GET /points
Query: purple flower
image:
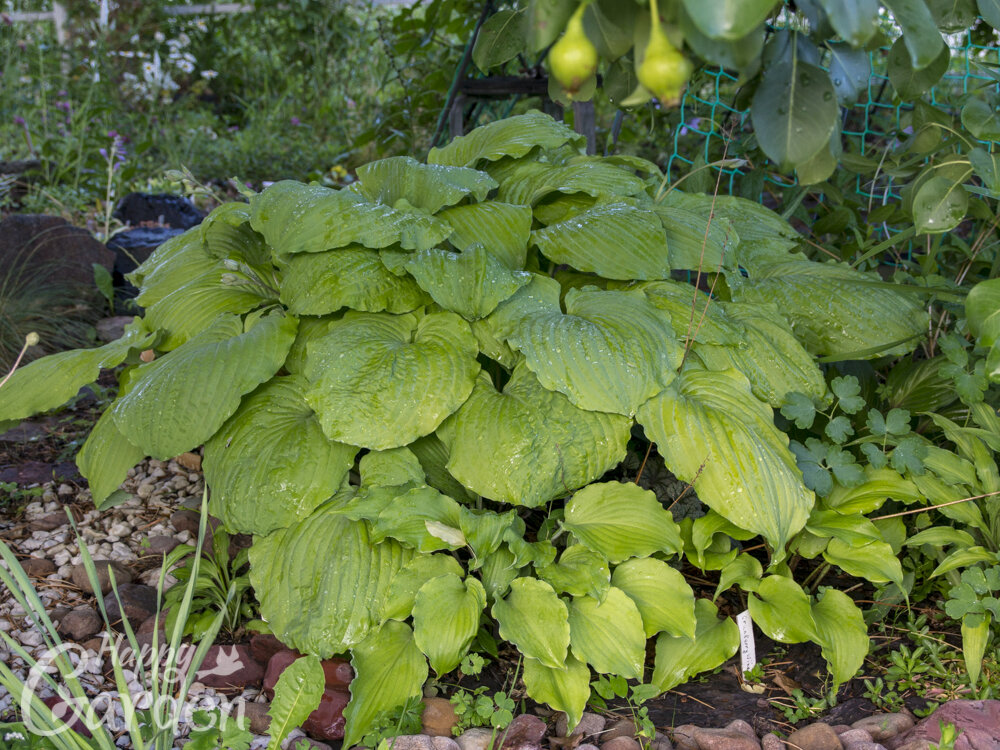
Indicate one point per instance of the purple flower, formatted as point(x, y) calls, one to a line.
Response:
point(18, 120)
point(296, 121)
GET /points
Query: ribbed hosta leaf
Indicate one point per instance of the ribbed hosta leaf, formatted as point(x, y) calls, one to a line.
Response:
point(565, 689)
point(759, 229)
point(502, 228)
point(402, 592)
point(271, 465)
point(411, 516)
point(192, 307)
point(621, 520)
point(695, 241)
point(513, 136)
point(713, 432)
point(471, 283)
point(297, 218)
point(665, 600)
point(608, 635)
point(610, 352)
point(446, 619)
point(226, 234)
point(309, 330)
point(579, 572)
point(52, 381)
point(321, 582)
point(535, 620)
point(381, 381)
point(106, 458)
point(769, 355)
point(354, 277)
point(680, 657)
point(429, 187)
point(484, 531)
point(528, 445)
point(615, 240)
point(389, 670)
point(693, 314)
point(532, 183)
point(834, 309)
point(179, 401)
point(433, 456)
point(172, 264)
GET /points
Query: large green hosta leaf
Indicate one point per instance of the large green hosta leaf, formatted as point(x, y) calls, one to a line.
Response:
point(180, 400)
point(52, 381)
point(610, 352)
point(271, 465)
point(696, 241)
point(429, 187)
point(297, 218)
point(621, 520)
point(665, 600)
point(381, 381)
point(531, 182)
point(834, 309)
point(770, 356)
point(713, 432)
point(106, 458)
point(535, 620)
point(353, 277)
point(321, 582)
point(615, 240)
point(172, 264)
point(566, 689)
point(608, 635)
point(681, 657)
point(402, 593)
point(226, 234)
point(579, 572)
point(191, 308)
point(422, 518)
point(513, 136)
point(389, 670)
point(502, 228)
point(445, 639)
point(527, 445)
point(471, 283)
point(693, 314)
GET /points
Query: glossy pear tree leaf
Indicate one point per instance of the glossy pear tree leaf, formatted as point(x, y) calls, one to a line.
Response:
point(727, 19)
point(527, 445)
point(382, 381)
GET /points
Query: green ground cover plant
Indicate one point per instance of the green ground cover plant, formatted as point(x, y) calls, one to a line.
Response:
point(411, 390)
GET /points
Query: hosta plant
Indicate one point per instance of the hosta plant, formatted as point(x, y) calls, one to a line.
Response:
point(410, 390)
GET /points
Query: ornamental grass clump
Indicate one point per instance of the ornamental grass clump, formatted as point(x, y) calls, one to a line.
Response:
point(473, 339)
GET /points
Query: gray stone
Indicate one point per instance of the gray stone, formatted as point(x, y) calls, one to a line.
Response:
point(660, 742)
point(422, 742)
point(916, 745)
point(256, 714)
point(724, 739)
point(590, 725)
point(52, 247)
point(525, 732)
point(817, 736)
point(683, 737)
point(621, 728)
point(80, 624)
point(158, 545)
point(621, 743)
point(854, 736)
point(123, 575)
point(884, 726)
point(138, 603)
point(770, 741)
point(738, 725)
point(38, 567)
point(477, 738)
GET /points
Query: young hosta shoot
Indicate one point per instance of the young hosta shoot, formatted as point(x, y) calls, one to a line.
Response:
point(485, 331)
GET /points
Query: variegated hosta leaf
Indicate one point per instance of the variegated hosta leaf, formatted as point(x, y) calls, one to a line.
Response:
point(615, 240)
point(402, 592)
point(610, 352)
point(769, 355)
point(696, 239)
point(471, 283)
point(513, 136)
point(298, 218)
point(172, 265)
point(535, 620)
point(528, 445)
point(389, 670)
point(565, 689)
point(381, 381)
point(713, 432)
point(621, 520)
point(429, 187)
point(665, 600)
point(502, 228)
point(608, 635)
point(407, 519)
point(679, 658)
point(693, 314)
point(528, 185)
point(106, 458)
point(192, 307)
point(52, 381)
point(834, 309)
point(180, 400)
point(321, 583)
point(271, 465)
point(353, 277)
point(446, 619)
point(579, 572)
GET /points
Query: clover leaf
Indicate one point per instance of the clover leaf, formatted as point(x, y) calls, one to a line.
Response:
point(846, 389)
point(809, 458)
point(839, 429)
point(876, 456)
point(800, 409)
point(909, 455)
point(845, 468)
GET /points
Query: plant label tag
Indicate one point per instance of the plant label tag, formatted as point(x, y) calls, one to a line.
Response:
point(748, 651)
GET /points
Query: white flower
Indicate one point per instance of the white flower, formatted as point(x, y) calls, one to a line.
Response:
point(184, 66)
point(159, 38)
point(200, 24)
point(209, 74)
